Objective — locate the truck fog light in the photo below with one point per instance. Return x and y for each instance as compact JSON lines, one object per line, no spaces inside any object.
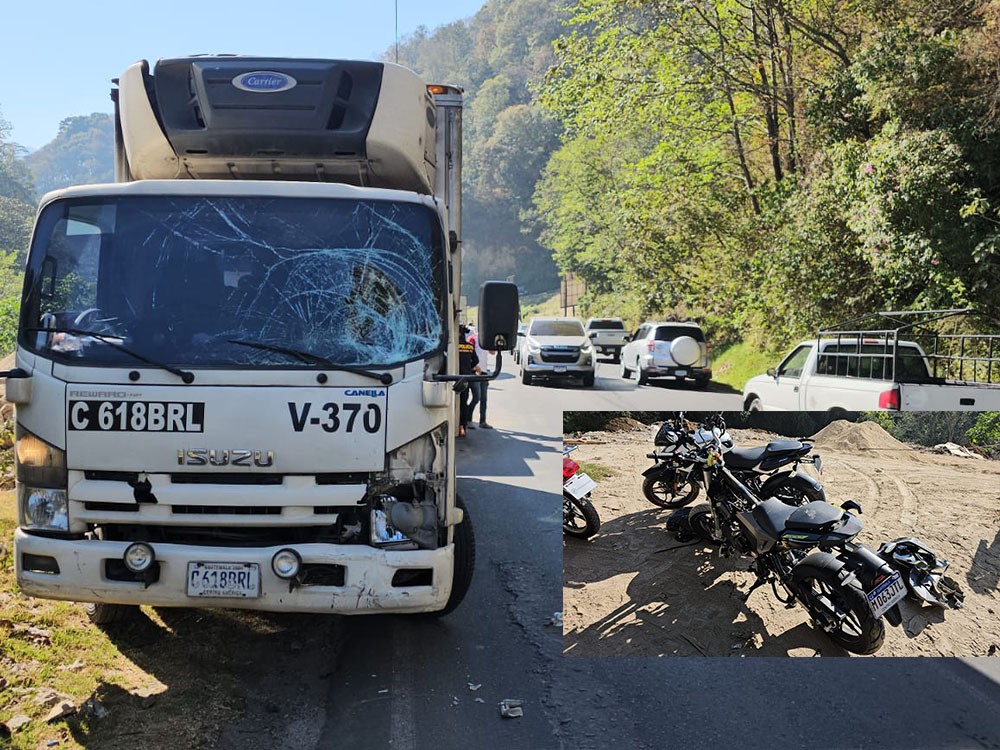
{"x":138,"y":557}
{"x":286,"y":563}
{"x":45,"y":508}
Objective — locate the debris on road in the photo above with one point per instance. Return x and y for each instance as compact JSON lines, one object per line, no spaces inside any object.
{"x":510,"y":708}
{"x":556,"y":620}
{"x":473,"y":687}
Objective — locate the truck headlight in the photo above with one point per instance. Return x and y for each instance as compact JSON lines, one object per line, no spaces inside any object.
{"x":587,"y":348}
{"x":43,"y":509}
{"x":534,"y":346}
{"x":37,"y":463}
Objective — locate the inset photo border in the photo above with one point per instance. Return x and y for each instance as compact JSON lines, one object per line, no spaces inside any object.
{"x":644,"y":580}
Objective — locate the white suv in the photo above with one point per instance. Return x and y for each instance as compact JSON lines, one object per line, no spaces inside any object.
{"x":667,"y":349}
{"x":556,"y":348}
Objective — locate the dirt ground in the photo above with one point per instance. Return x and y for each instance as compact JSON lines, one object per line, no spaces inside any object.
{"x":632,"y":590}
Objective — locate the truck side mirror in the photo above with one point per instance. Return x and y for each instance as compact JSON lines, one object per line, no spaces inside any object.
{"x":771,"y":372}
{"x":499,"y":311}
{"x":592,"y":334}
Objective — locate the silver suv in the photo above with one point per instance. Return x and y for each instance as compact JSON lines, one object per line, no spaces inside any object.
{"x":556,"y":348}
{"x":667,"y":349}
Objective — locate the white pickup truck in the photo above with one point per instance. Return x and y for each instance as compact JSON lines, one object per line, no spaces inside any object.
{"x":608,"y":336}
{"x":869,"y":370}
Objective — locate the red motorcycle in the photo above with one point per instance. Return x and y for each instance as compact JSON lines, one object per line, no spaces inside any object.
{"x":580,"y":517}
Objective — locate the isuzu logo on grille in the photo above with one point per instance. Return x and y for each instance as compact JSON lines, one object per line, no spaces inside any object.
{"x":226,"y":457}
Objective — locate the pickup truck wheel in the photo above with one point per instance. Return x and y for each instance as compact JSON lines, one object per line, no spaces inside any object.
{"x":625,"y":372}
{"x":588,"y":381}
{"x":105,"y":614}
{"x":465,"y":562}
{"x":525,"y":377}
{"x":754,"y":404}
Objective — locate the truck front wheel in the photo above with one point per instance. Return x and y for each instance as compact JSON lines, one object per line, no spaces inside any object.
{"x":105,"y":614}
{"x":465,"y":561}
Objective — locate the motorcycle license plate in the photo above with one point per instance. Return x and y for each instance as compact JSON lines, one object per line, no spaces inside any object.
{"x":223,"y":580}
{"x":887,"y":593}
{"x":680,"y":373}
{"x":579,"y":486}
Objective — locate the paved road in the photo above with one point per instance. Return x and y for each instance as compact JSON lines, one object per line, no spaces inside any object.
{"x":612,"y":393}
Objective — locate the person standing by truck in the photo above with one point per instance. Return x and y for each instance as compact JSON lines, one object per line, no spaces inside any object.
{"x":479,"y":389}
{"x":468,"y":364}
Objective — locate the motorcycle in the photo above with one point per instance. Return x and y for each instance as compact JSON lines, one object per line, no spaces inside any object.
{"x":807,"y":551}
{"x":674,"y":480}
{"x":580,"y":518}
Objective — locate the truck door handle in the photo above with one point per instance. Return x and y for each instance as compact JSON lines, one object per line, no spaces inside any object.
{"x":967,"y":401}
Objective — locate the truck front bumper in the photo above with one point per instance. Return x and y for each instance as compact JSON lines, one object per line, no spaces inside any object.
{"x":368,"y":576}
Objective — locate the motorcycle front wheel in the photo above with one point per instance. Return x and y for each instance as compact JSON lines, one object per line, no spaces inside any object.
{"x":838,"y":604}
{"x":580,"y":517}
{"x":670,"y":491}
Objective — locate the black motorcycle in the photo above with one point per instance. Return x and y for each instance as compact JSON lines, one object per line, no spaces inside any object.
{"x":675,"y":479}
{"x":807,"y":551}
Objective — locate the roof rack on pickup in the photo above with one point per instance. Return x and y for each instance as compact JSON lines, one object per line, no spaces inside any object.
{"x":917,"y":346}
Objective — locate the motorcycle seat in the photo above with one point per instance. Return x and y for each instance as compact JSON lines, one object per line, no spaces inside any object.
{"x":747,"y":458}
{"x":772,"y":515}
{"x":815,"y":516}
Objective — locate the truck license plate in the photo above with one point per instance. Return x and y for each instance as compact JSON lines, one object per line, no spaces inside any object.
{"x":228,"y":580}
{"x":887,"y":593}
{"x":559,"y":368}
{"x":680,"y":373}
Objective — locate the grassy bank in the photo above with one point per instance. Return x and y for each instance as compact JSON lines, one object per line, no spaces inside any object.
{"x":735,"y":365}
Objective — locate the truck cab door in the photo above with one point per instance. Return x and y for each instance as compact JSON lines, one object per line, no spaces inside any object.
{"x":788,"y":392}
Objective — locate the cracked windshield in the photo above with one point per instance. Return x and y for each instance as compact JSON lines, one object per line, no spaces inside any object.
{"x":203,"y":281}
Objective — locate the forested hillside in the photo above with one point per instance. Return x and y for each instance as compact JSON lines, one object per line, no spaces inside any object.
{"x":771,"y":165}
{"x":81,"y":153}
{"x":499,"y":57}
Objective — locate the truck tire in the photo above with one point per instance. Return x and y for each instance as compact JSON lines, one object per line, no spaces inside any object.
{"x":588,"y":380}
{"x":106,"y":614}
{"x":525,"y":377}
{"x":465,"y":561}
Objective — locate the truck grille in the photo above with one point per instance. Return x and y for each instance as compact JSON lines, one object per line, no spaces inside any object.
{"x":560,"y":355}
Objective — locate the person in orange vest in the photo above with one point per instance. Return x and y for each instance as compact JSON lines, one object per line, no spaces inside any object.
{"x":468,"y":364}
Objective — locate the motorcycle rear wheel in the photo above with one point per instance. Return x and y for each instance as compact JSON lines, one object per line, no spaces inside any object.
{"x":663,"y":492}
{"x":580,"y":517}
{"x":820,"y":577}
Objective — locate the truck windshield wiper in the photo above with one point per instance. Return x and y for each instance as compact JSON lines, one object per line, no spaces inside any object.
{"x":186,"y":375}
{"x":314,"y":359}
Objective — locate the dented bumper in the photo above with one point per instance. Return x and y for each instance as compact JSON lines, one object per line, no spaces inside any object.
{"x":371,"y":580}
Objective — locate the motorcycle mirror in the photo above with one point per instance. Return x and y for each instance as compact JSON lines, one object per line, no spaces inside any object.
{"x":851,"y":505}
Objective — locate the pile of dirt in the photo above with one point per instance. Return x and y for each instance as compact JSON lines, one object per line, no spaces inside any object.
{"x":844,"y":435}
{"x":625,"y":424}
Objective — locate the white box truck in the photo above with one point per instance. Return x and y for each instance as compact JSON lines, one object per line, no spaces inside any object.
{"x":235,"y":371}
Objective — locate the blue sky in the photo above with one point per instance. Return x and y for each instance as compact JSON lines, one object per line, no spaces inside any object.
{"x":58,"y":57}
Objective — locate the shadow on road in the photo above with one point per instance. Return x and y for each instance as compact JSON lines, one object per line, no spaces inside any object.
{"x":228,"y":678}
{"x":501,"y":452}
{"x":984,"y":575}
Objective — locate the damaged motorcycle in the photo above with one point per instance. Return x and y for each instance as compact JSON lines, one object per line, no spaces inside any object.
{"x":580,"y":518}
